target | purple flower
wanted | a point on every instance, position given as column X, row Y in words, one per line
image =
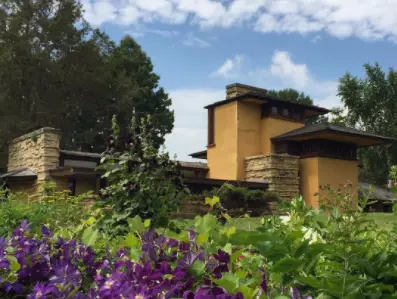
column 46, row 232
column 41, row 291
column 64, row 274
column 296, row 294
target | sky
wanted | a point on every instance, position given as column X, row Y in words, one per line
column 200, row 46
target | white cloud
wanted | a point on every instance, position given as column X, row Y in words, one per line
column 286, row 73
column 140, row 31
column 193, row 41
column 365, row 19
column 283, row 67
column 230, row 68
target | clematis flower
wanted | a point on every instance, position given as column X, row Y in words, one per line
column 65, row 274
column 42, row 291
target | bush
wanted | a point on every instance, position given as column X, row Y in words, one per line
column 57, row 210
column 254, row 202
column 142, row 180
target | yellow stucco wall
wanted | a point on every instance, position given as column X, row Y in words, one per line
column 249, row 134
column 338, row 173
column 222, row 157
column 316, row 172
column 271, row 127
column 309, row 180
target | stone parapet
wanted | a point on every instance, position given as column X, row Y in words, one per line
column 38, row 151
column 280, row 171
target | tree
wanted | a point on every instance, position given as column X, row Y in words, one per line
column 290, row 94
column 59, row 74
column 372, row 107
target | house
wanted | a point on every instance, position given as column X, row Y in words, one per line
column 254, row 140
column 254, row 136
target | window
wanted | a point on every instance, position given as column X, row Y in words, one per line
column 274, row 110
column 211, row 126
column 72, row 186
column 285, row 112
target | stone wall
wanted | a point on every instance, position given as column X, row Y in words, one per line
column 38, row 151
column 280, row 171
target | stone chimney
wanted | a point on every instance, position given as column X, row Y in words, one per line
column 38, row 151
column 238, row 89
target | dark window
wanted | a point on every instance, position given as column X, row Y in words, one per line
column 72, row 186
column 274, row 110
column 211, row 126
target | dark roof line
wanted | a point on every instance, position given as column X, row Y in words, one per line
column 81, row 154
column 266, row 98
column 317, row 128
column 199, row 155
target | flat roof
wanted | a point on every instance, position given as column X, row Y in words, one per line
column 268, row 99
column 331, row 132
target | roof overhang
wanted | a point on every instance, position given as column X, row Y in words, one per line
column 74, row 171
column 199, row 155
column 19, row 174
column 334, row 133
column 193, row 166
column 310, row 110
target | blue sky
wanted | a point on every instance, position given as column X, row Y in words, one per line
column 199, row 46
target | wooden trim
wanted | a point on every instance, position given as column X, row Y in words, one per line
column 211, row 126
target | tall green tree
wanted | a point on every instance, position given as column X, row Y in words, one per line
column 57, row 71
column 291, row 94
column 372, row 106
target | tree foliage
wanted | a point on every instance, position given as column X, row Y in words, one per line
column 57, row 71
column 372, row 106
column 290, row 94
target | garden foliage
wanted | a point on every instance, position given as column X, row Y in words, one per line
column 142, row 179
column 306, row 254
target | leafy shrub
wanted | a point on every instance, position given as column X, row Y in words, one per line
column 57, row 210
column 249, row 201
column 142, row 180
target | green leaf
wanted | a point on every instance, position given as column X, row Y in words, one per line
column 146, row 223
column 212, row 201
column 247, row 292
column 229, row 282
column 287, row 264
column 90, row 236
column 324, row 296
column 311, row 282
column 135, row 253
column 207, row 223
column 198, row 268
column 136, row 224
column 14, row 265
column 202, row 238
column 228, row 248
column 229, row 231
column 131, row 241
